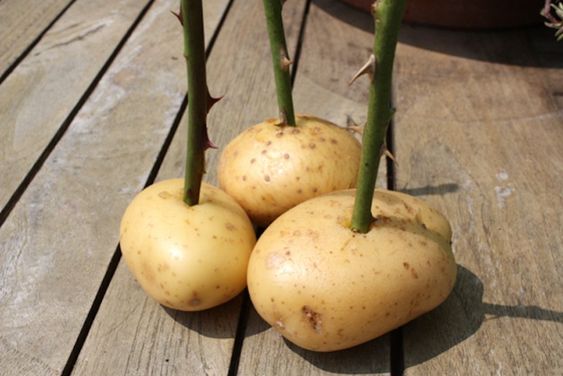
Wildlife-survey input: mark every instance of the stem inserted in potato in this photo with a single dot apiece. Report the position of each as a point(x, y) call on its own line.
point(199, 99)
point(387, 16)
point(280, 60)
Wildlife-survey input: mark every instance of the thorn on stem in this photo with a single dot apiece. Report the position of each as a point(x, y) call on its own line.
point(389, 155)
point(211, 100)
point(354, 127)
point(207, 144)
point(285, 62)
point(178, 16)
point(368, 68)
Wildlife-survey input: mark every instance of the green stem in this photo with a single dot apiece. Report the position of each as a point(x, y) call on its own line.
point(280, 60)
point(194, 52)
point(387, 16)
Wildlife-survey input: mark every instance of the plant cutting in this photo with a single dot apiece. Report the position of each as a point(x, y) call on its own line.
point(186, 242)
point(346, 267)
point(275, 165)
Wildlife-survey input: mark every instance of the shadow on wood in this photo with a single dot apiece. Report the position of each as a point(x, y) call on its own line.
point(503, 46)
point(218, 322)
point(459, 317)
point(368, 358)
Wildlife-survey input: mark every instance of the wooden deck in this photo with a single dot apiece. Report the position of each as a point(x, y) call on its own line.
point(91, 105)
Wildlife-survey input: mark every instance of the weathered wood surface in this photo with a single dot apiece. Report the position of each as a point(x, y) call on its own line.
point(160, 341)
point(332, 52)
point(57, 243)
point(41, 92)
point(21, 23)
point(479, 134)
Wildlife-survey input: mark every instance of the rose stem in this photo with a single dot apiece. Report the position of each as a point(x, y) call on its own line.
point(387, 16)
point(280, 60)
point(198, 98)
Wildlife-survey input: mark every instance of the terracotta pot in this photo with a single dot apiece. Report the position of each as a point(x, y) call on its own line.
point(468, 13)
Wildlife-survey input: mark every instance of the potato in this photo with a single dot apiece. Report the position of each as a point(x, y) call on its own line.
point(325, 287)
point(187, 257)
point(269, 169)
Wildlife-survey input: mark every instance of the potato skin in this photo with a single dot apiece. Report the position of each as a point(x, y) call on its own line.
point(268, 169)
point(187, 258)
point(326, 288)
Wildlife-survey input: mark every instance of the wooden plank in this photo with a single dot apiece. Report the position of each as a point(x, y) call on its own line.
point(37, 97)
point(337, 41)
point(58, 241)
point(160, 341)
point(478, 134)
point(21, 22)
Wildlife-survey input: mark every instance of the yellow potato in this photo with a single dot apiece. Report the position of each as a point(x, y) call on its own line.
point(187, 257)
point(269, 169)
point(327, 288)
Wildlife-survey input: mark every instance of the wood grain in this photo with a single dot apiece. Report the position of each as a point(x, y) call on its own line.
point(21, 22)
point(160, 341)
point(59, 239)
point(337, 41)
point(37, 97)
point(479, 135)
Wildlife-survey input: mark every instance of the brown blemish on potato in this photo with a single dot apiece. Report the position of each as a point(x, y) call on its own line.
point(295, 130)
point(414, 274)
point(312, 145)
point(147, 272)
point(267, 177)
point(163, 267)
point(314, 318)
point(165, 195)
point(286, 156)
point(229, 226)
point(243, 177)
point(252, 160)
point(406, 265)
point(195, 300)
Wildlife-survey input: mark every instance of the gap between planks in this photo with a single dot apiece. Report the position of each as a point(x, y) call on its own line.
point(33, 43)
point(14, 198)
point(246, 303)
point(112, 266)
